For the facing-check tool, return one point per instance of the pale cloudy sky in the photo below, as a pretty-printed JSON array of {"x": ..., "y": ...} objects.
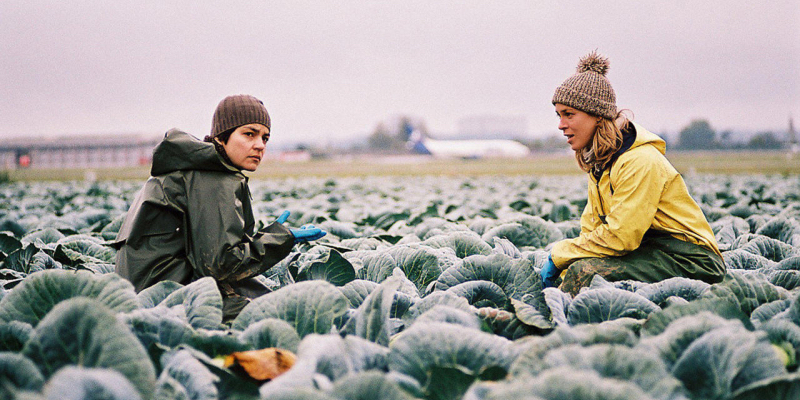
[{"x": 331, "y": 70}]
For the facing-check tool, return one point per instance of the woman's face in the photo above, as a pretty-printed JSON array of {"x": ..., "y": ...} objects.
[
  {"x": 246, "y": 145},
  {"x": 577, "y": 126}
]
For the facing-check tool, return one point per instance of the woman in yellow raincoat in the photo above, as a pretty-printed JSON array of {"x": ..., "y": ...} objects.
[{"x": 640, "y": 222}]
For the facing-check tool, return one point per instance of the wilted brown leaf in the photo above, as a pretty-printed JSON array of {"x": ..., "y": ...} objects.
[{"x": 264, "y": 364}]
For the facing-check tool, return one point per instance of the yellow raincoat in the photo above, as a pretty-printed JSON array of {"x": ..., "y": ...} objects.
[{"x": 640, "y": 191}]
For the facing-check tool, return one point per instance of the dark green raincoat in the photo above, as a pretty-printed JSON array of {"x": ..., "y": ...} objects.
[{"x": 193, "y": 219}]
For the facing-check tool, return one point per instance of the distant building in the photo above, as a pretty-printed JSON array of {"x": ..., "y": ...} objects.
[
  {"x": 94, "y": 151},
  {"x": 492, "y": 127}
]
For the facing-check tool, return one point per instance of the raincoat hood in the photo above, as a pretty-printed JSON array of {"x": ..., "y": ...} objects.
[
  {"x": 633, "y": 136},
  {"x": 645, "y": 137},
  {"x": 180, "y": 151}
]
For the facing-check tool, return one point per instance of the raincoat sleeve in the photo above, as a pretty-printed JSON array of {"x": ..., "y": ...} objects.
[
  {"x": 638, "y": 185},
  {"x": 218, "y": 243}
]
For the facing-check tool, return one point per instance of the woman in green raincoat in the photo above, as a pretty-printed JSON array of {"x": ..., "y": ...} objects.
[
  {"x": 639, "y": 222},
  {"x": 193, "y": 217}
]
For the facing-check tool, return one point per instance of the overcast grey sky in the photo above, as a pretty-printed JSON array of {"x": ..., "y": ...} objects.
[{"x": 330, "y": 70}]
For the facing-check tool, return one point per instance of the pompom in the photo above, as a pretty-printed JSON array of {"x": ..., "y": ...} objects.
[{"x": 593, "y": 62}]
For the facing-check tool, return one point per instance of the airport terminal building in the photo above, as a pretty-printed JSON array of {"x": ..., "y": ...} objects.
[{"x": 78, "y": 152}]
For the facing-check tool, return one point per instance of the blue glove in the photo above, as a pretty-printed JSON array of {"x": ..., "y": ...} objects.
[
  {"x": 306, "y": 233},
  {"x": 549, "y": 273},
  {"x": 284, "y": 216}
]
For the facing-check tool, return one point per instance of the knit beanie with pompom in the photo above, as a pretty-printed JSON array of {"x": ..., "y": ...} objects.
[{"x": 589, "y": 90}]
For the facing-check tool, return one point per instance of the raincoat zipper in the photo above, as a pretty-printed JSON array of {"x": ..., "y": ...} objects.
[{"x": 600, "y": 198}]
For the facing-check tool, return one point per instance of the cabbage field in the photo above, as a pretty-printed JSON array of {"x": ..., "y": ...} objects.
[{"x": 425, "y": 287}]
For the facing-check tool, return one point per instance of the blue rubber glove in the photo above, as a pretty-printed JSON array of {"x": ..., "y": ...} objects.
[
  {"x": 284, "y": 216},
  {"x": 549, "y": 273},
  {"x": 306, "y": 233}
]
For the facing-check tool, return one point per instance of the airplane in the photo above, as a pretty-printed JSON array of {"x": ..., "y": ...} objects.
[{"x": 468, "y": 149}]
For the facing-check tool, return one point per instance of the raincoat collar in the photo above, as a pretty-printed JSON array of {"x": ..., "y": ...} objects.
[{"x": 180, "y": 151}]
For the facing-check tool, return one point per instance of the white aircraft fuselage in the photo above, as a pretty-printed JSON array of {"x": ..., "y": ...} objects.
[
  {"x": 475, "y": 148},
  {"x": 488, "y": 148}
]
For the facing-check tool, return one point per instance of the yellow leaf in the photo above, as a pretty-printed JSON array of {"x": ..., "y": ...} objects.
[{"x": 262, "y": 364}]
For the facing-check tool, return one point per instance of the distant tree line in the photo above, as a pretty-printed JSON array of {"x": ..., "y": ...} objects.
[
  {"x": 699, "y": 135},
  {"x": 384, "y": 140},
  {"x": 391, "y": 137}
]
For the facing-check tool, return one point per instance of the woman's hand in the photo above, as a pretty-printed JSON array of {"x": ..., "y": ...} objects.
[
  {"x": 549, "y": 273},
  {"x": 306, "y": 233}
]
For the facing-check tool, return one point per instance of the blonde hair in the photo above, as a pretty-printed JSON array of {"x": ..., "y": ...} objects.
[{"x": 606, "y": 140}]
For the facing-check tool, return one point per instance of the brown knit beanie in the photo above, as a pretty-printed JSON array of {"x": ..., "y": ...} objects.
[
  {"x": 589, "y": 90},
  {"x": 235, "y": 111}
]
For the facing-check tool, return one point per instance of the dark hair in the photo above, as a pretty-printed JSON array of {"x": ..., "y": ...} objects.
[{"x": 223, "y": 138}]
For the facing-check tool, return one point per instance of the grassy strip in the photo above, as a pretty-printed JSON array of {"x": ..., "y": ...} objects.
[{"x": 766, "y": 162}]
